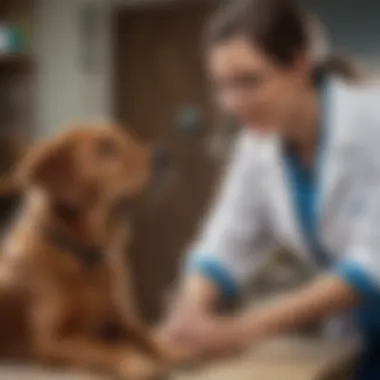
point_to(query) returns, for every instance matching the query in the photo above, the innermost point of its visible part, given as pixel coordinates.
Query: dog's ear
(50, 167)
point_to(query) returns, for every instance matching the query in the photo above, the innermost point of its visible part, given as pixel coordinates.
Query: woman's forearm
(323, 297)
(199, 292)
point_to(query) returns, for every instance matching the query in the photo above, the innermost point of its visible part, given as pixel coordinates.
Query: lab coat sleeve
(233, 238)
(361, 267)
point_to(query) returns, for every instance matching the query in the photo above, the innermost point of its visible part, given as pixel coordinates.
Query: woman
(305, 174)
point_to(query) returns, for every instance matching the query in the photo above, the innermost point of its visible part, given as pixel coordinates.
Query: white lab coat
(254, 208)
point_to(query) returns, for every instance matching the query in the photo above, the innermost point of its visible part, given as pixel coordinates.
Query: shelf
(15, 60)
(10, 6)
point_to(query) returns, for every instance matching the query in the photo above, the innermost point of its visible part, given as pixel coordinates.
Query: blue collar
(305, 186)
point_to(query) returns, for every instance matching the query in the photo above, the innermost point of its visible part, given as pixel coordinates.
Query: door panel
(160, 88)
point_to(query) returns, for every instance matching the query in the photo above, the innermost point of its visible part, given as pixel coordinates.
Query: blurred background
(138, 62)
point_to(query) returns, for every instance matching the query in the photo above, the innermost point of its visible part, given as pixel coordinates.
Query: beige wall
(66, 92)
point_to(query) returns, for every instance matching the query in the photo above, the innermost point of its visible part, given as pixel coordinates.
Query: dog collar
(89, 255)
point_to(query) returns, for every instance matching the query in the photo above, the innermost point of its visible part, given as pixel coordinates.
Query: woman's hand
(198, 335)
(175, 333)
(193, 303)
(179, 319)
(325, 296)
(194, 300)
(214, 336)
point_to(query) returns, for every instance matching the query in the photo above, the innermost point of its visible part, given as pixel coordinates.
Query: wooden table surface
(280, 359)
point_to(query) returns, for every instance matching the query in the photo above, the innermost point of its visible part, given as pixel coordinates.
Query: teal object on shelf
(11, 40)
(17, 41)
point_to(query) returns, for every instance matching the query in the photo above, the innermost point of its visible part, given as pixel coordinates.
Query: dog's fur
(53, 306)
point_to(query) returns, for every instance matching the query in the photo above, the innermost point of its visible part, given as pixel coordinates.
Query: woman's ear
(50, 167)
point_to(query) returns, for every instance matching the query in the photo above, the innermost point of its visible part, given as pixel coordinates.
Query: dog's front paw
(136, 366)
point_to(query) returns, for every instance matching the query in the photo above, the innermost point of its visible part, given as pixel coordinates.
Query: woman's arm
(323, 297)
(231, 244)
(235, 236)
(199, 292)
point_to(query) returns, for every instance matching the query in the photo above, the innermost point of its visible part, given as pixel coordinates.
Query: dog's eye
(106, 148)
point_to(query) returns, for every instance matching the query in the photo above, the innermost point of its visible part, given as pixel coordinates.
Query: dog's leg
(78, 352)
(53, 341)
(131, 324)
(123, 292)
(124, 296)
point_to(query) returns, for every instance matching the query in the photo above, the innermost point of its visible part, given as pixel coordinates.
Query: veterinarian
(304, 174)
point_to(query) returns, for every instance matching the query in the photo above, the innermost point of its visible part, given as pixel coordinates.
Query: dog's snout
(161, 160)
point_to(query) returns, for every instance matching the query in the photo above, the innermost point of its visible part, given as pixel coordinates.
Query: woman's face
(253, 89)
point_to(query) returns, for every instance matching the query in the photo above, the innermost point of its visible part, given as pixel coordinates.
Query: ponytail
(338, 66)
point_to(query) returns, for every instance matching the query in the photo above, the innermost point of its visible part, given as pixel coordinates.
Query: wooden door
(159, 75)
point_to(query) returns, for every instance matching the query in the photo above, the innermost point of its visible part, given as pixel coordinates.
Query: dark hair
(278, 27)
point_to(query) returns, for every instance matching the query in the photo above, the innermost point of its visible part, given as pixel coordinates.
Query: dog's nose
(161, 160)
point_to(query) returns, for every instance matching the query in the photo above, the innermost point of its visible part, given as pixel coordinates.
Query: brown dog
(65, 292)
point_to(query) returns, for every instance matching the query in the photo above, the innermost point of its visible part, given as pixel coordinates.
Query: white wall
(66, 92)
